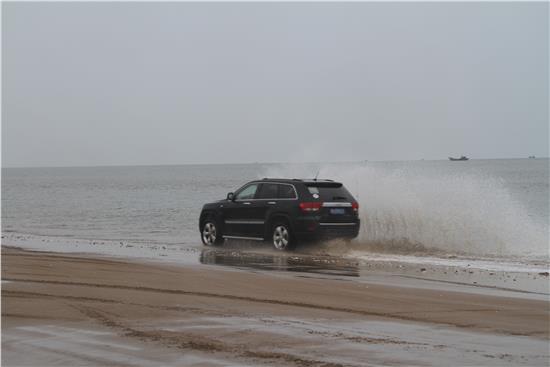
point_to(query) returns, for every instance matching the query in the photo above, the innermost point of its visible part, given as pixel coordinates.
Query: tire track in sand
(200, 343)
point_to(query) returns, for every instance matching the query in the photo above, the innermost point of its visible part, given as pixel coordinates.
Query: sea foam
(409, 211)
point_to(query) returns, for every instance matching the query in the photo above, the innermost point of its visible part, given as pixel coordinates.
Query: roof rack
(310, 180)
(281, 179)
(298, 179)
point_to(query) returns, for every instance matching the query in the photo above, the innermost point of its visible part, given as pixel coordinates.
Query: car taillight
(355, 206)
(311, 207)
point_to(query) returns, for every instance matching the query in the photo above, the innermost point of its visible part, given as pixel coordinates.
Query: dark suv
(282, 211)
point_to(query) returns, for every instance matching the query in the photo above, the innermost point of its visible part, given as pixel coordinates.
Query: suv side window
(247, 193)
(267, 191)
(286, 192)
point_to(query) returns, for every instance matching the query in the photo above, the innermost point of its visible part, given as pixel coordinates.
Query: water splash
(412, 211)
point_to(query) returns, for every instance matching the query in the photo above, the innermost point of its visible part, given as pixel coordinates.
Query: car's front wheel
(210, 233)
(282, 237)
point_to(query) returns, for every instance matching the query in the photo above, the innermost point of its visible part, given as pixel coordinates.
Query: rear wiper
(338, 198)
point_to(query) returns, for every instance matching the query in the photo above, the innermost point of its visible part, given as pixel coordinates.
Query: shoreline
(213, 315)
(524, 276)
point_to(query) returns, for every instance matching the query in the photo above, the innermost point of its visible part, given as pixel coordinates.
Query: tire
(281, 236)
(211, 234)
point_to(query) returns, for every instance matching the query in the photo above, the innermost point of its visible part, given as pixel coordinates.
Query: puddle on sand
(326, 265)
(421, 275)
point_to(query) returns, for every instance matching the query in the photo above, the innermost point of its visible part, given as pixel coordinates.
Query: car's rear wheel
(281, 236)
(210, 233)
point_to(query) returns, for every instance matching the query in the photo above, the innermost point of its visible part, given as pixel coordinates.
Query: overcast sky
(148, 83)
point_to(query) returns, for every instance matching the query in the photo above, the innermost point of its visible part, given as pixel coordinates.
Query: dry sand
(60, 309)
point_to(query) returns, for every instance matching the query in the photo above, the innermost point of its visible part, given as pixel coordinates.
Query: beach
(78, 309)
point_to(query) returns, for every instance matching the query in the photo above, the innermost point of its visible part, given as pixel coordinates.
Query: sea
(495, 211)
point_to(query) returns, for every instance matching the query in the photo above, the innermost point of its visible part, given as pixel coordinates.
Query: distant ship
(463, 158)
(532, 157)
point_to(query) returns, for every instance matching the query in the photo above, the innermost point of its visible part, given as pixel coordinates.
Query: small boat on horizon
(462, 158)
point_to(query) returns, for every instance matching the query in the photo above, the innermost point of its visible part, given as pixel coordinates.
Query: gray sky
(149, 83)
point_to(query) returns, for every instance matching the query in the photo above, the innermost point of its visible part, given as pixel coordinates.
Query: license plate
(337, 211)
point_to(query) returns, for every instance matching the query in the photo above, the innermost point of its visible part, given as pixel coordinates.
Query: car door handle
(247, 203)
(272, 202)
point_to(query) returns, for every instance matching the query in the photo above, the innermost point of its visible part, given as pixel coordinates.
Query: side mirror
(230, 196)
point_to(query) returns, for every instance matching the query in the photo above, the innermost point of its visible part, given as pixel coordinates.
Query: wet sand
(61, 309)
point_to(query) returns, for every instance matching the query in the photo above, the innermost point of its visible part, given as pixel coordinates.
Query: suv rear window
(336, 192)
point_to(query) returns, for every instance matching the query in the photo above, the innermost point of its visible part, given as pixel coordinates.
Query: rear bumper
(313, 229)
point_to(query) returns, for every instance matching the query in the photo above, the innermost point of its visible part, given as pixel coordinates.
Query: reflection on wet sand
(281, 262)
